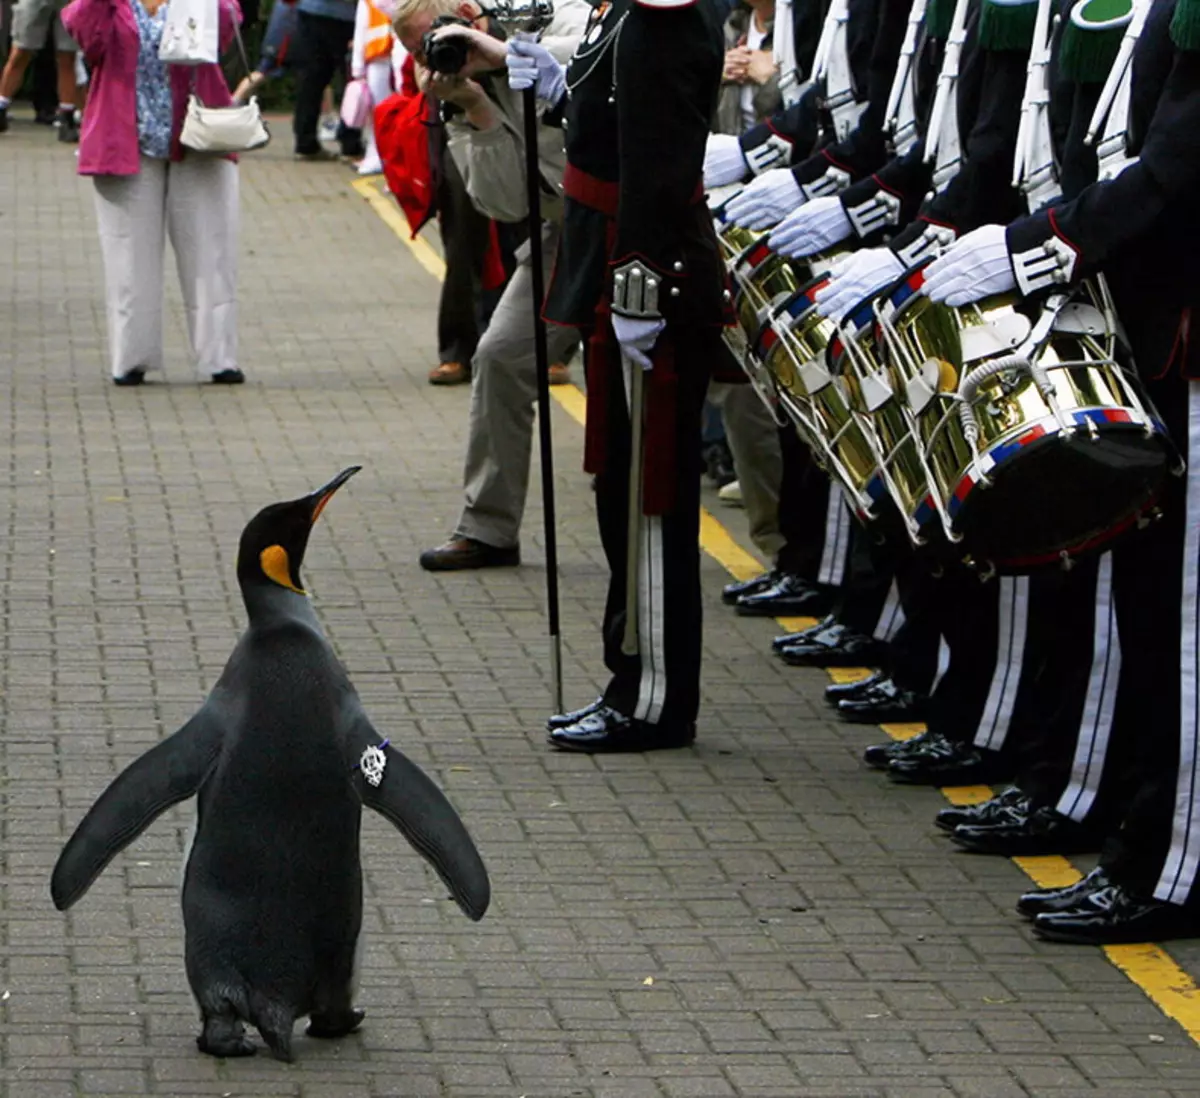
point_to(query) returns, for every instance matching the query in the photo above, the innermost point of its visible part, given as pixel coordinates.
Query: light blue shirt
(155, 112)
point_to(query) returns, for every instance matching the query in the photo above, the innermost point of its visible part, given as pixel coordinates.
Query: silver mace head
(518, 15)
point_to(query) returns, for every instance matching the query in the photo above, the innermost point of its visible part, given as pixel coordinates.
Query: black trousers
(1155, 588)
(661, 684)
(319, 52)
(803, 505)
(1068, 757)
(462, 307)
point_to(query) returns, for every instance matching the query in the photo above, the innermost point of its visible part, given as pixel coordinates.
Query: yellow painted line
(849, 674)
(389, 213)
(719, 544)
(1049, 871)
(1173, 991)
(1147, 966)
(967, 794)
(903, 731)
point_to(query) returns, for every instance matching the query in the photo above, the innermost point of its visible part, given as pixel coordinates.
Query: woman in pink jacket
(148, 187)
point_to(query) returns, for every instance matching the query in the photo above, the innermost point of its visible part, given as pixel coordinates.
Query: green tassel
(939, 14)
(1185, 25)
(1091, 37)
(1007, 25)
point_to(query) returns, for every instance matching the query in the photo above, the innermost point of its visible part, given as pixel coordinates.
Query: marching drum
(1013, 430)
(793, 345)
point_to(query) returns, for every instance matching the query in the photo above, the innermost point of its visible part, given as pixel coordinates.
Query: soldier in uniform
(1140, 228)
(640, 272)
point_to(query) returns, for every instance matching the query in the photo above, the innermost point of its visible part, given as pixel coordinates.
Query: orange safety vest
(379, 34)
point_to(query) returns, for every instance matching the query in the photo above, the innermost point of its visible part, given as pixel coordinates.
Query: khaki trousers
(503, 393)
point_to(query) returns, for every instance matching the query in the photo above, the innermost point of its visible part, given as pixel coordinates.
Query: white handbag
(224, 130)
(190, 35)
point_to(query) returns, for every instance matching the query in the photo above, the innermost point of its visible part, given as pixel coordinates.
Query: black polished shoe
(1044, 901)
(1003, 806)
(459, 554)
(607, 731)
(131, 377)
(232, 376)
(789, 597)
(837, 646)
(731, 592)
(561, 720)
(1111, 915)
(882, 703)
(949, 763)
(1042, 831)
(879, 755)
(790, 639)
(836, 691)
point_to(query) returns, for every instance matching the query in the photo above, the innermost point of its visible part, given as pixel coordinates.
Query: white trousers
(379, 83)
(194, 203)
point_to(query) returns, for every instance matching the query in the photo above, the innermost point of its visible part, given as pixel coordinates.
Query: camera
(445, 55)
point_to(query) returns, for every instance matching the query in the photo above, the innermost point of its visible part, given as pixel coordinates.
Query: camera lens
(446, 56)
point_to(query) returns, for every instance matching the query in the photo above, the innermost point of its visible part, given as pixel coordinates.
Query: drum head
(1059, 498)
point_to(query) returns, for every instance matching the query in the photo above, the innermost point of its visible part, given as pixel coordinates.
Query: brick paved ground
(757, 917)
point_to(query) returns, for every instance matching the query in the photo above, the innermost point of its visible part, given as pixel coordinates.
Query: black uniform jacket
(990, 89)
(800, 124)
(642, 89)
(866, 148)
(1142, 228)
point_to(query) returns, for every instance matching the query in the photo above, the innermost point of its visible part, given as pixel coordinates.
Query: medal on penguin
(281, 758)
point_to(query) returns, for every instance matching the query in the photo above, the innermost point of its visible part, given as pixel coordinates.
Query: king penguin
(281, 757)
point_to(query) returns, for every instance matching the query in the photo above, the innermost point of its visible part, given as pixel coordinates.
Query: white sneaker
(370, 165)
(731, 494)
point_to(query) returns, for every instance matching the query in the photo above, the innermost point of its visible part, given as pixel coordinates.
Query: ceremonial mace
(521, 17)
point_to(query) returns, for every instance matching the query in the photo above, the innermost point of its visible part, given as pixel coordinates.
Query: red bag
(402, 137)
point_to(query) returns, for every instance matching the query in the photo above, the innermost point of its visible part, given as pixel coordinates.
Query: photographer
(464, 56)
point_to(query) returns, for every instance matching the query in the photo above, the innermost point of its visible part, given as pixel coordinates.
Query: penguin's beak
(323, 495)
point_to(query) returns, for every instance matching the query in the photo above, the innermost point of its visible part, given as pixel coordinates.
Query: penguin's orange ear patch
(274, 563)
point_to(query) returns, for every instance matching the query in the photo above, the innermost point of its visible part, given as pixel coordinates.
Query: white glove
(724, 161)
(974, 266)
(812, 228)
(856, 277)
(637, 337)
(765, 200)
(531, 65)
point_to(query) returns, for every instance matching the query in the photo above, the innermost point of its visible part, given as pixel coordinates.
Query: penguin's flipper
(407, 797)
(165, 775)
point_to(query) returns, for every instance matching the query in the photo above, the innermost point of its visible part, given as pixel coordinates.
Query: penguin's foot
(224, 1036)
(330, 1025)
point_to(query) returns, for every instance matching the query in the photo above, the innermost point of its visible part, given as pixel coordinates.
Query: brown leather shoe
(459, 554)
(560, 373)
(449, 373)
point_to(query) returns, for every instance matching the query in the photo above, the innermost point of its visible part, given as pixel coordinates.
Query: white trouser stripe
(1179, 872)
(652, 691)
(891, 617)
(837, 539)
(1010, 653)
(943, 663)
(1095, 729)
